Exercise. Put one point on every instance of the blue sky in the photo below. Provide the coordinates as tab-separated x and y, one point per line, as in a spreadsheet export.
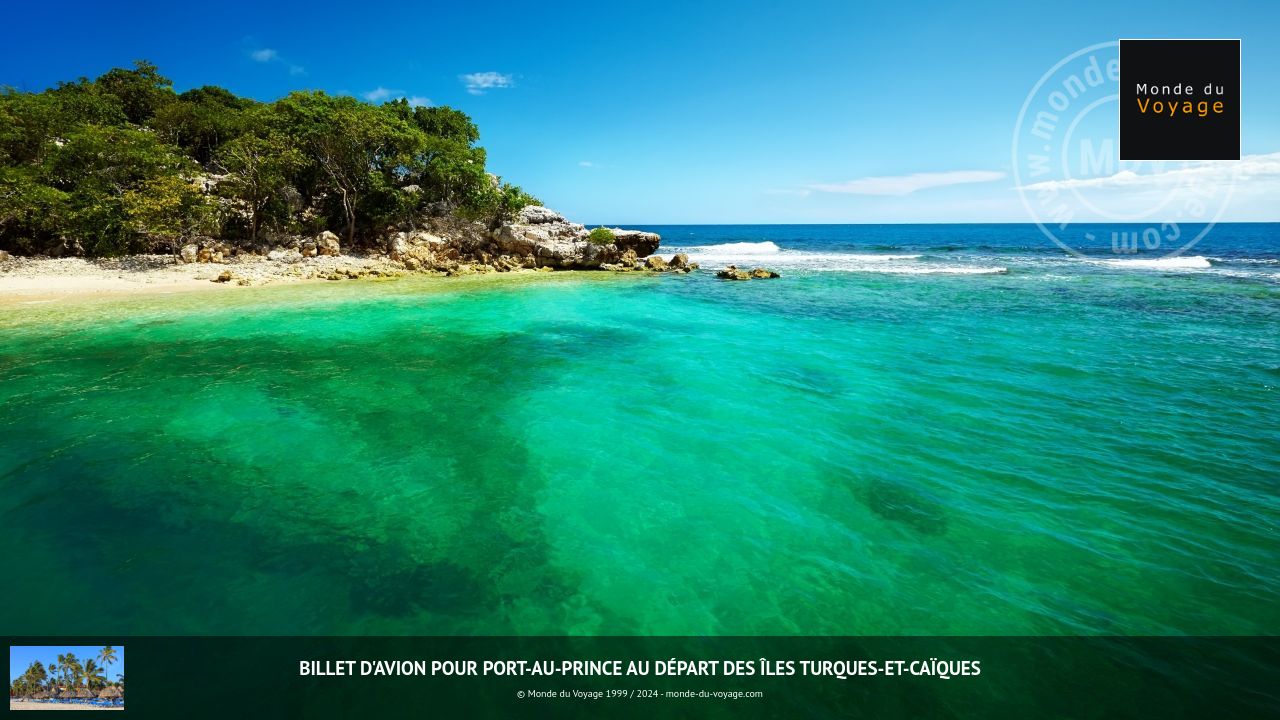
21	657
668	112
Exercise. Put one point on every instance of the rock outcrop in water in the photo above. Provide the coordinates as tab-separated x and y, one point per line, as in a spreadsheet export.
536	238
733	273
552	241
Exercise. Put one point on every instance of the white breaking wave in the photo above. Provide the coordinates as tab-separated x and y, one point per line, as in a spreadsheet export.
768	254
1248	261
1195	262
738	248
943	270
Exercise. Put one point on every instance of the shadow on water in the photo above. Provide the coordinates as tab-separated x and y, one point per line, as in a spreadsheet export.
201	525
899	502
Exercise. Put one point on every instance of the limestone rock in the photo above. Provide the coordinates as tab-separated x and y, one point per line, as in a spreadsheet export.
679	261
224	276
655	262
289	255
65	248
5	256
733	273
538	215
189	253
550	240
398	246
327	244
308	248
643	243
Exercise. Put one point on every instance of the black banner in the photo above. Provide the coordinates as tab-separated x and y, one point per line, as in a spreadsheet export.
392	677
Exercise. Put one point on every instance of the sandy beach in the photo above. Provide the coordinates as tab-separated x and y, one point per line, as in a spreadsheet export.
33	705
27	280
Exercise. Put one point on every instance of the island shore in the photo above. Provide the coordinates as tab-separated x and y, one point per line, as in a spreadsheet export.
536	240
29	280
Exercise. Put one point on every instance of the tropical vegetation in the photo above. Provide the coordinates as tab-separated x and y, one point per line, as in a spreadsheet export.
69	673
601	236
124	164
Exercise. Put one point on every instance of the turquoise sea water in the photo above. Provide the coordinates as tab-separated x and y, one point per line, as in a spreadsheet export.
893	438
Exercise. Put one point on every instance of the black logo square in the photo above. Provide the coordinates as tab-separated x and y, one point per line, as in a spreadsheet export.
1179	99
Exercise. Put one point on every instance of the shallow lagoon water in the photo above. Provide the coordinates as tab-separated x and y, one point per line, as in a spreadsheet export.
1062	448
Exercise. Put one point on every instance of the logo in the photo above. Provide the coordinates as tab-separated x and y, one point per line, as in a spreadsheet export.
1071	179
1180	99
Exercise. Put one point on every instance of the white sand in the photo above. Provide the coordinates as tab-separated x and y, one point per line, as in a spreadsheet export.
50	279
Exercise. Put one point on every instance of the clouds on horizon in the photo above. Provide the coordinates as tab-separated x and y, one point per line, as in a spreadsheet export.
907	184
479	82
382	94
1247	170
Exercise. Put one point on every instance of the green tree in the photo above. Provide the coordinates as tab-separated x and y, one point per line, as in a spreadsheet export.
33	123
105	171
71	669
91	675
111	165
353	145
107	656
446	164
202	120
142	91
31	212
259	167
165	209
498	203
37	675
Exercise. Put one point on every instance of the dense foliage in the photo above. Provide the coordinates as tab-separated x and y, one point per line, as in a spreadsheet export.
123	164
68	672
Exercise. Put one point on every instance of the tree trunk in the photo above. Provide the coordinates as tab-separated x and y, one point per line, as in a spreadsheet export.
349	204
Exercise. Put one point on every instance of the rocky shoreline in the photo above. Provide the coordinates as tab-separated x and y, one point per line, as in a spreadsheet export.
536	240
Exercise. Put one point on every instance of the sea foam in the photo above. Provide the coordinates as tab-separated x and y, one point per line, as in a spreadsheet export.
1195	262
770	254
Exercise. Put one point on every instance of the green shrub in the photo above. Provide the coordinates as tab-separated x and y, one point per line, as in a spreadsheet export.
601	236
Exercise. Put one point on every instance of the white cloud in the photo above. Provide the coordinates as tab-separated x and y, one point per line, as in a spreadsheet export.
907	184
1246	170
478	83
270	55
797	192
586	163
380	93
